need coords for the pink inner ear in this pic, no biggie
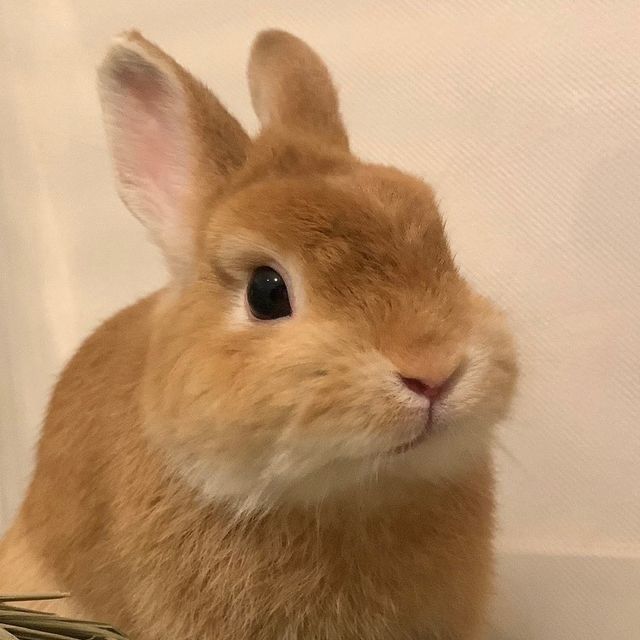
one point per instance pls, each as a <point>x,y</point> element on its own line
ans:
<point>151,155</point>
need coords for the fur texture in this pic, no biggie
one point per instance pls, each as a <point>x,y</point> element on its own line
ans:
<point>202,474</point>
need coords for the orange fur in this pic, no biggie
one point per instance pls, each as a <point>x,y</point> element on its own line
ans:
<point>204,475</point>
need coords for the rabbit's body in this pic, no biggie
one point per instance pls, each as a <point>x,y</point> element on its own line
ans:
<point>205,474</point>
<point>141,550</point>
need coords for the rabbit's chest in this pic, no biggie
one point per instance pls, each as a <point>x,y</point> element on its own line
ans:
<point>411,580</point>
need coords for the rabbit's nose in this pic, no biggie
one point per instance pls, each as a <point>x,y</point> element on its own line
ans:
<point>429,388</point>
<point>429,372</point>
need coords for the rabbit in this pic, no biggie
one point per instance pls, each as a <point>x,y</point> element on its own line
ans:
<point>293,438</point>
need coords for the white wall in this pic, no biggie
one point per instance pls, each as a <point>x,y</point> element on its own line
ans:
<point>526,119</point>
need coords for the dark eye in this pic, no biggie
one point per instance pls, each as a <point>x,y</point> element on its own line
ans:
<point>267,294</point>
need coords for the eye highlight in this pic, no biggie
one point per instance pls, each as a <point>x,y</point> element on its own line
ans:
<point>267,295</point>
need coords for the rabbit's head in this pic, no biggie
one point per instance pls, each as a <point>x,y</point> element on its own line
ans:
<point>316,336</point>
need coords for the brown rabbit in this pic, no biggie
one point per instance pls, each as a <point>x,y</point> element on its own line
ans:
<point>292,439</point>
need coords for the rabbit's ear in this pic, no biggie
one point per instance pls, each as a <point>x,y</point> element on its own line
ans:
<point>167,134</point>
<point>291,88</point>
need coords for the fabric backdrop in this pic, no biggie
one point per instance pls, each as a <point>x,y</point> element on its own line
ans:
<point>525,118</point>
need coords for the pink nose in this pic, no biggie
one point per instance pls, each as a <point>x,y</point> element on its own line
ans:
<point>431,389</point>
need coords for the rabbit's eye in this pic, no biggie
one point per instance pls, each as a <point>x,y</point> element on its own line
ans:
<point>267,294</point>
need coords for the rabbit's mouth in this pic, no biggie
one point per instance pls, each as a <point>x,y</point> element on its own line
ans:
<point>419,439</point>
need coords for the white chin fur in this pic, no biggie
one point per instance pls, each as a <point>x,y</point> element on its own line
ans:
<point>288,478</point>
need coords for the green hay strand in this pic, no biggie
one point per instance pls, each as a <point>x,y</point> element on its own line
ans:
<point>17,623</point>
